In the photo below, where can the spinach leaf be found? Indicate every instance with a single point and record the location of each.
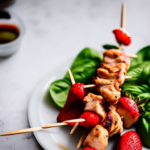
(83, 69)
(110, 46)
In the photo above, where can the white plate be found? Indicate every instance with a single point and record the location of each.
(42, 111)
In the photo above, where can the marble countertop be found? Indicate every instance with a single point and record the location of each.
(55, 31)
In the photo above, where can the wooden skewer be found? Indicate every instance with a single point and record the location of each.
(82, 138)
(74, 128)
(43, 127)
(73, 82)
(93, 85)
(64, 148)
(71, 76)
(122, 20)
(123, 16)
(132, 56)
(128, 77)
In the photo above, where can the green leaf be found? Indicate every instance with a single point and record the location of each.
(83, 69)
(140, 75)
(143, 55)
(110, 46)
(144, 131)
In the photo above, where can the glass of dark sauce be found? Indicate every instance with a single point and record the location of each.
(11, 32)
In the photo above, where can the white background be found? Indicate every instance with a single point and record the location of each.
(55, 31)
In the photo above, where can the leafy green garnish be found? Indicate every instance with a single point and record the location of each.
(144, 130)
(143, 56)
(110, 46)
(83, 70)
(139, 86)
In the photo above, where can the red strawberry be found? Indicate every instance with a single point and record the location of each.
(127, 108)
(122, 36)
(74, 105)
(89, 148)
(129, 141)
(91, 119)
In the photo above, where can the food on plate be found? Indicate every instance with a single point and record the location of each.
(95, 103)
(83, 69)
(105, 101)
(127, 108)
(122, 36)
(74, 105)
(110, 92)
(129, 141)
(100, 110)
(115, 56)
(114, 67)
(91, 119)
(117, 76)
(112, 122)
(97, 138)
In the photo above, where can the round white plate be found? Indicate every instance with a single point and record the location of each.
(42, 111)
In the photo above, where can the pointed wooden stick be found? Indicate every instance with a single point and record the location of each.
(71, 76)
(74, 128)
(123, 16)
(73, 82)
(132, 56)
(64, 148)
(43, 127)
(82, 138)
(93, 85)
(128, 77)
(122, 20)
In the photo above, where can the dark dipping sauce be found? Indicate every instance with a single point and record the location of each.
(8, 33)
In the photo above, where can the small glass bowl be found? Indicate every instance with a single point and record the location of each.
(10, 48)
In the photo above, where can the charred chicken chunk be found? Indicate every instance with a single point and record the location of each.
(113, 122)
(115, 77)
(114, 67)
(110, 92)
(116, 56)
(94, 103)
(97, 138)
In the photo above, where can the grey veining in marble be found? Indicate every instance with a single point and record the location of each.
(55, 31)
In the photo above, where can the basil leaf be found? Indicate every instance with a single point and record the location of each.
(110, 46)
(83, 70)
(140, 75)
(136, 90)
(144, 131)
(143, 55)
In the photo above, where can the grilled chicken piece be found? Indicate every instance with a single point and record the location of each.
(109, 92)
(127, 108)
(116, 56)
(115, 77)
(113, 122)
(114, 67)
(94, 103)
(97, 138)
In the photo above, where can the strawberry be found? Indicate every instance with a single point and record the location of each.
(129, 141)
(122, 36)
(89, 148)
(74, 106)
(91, 119)
(127, 108)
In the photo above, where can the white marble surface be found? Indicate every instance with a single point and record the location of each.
(55, 31)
